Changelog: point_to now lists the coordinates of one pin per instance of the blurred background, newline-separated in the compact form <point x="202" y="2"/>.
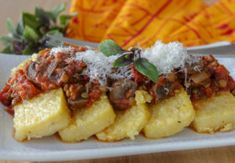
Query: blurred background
<point x="128" y="22"/>
<point x="12" y="9"/>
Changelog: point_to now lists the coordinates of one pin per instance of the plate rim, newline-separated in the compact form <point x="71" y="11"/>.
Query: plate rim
<point x="116" y="151"/>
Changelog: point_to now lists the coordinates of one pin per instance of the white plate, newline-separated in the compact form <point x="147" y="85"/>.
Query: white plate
<point x="51" y="148"/>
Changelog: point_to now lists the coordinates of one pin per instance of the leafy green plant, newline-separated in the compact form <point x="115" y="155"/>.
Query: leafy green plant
<point x="133" y="56"/>
<point x="28" y="36"/>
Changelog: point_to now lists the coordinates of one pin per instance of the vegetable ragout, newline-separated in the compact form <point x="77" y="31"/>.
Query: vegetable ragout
<point x="204" y="78"/>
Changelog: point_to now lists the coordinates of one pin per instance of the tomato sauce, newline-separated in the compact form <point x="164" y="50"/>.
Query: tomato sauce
<point x="62" y="70"/>
<point x="51" y="71"/>
<point x="217" y="79"/>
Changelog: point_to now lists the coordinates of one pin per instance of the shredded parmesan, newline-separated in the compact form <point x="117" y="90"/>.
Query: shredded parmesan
<point x="61" y="49"/>
<point x="121" y="73"/>
<point x="167" y="57"/>
<point x="100" y="67"/>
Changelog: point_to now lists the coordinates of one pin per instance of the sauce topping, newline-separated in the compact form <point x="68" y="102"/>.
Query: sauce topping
<point x="85" y="74"/>
<point x="206" y="78"/>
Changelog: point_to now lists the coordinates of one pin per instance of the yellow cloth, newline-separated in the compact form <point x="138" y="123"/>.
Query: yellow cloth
<point x="142" y="22"/>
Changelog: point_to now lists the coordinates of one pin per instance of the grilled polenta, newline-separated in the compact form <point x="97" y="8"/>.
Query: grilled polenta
<point x="89" y="121"/>
<point x="215" y="114"/>
<point x="170" y="116"/>
<point x="130" y="122"/>
<point x="41" y="116"/>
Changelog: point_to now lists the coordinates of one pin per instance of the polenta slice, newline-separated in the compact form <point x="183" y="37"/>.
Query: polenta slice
<point x="41" y="116"/>
<point x="89" y="121"/>
<point x="130" y="122"/>
<point x="170" y="116"/>
<point x="215" y="114"/>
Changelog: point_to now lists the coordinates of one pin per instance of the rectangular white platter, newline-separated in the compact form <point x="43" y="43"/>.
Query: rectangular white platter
<point x="51" y="148"/>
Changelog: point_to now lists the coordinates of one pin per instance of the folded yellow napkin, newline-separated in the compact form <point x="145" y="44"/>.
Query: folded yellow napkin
<point x="142" y="22"/>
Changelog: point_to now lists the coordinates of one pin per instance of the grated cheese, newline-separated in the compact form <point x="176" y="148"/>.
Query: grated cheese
<point x="121" y="73"/>
<point x="167" y="57"/>
<point x="61" y="49"/>
<point x="100" y="67"/>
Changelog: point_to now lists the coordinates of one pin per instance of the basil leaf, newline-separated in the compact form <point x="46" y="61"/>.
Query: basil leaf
<point x="20" y="27"/>
<point x="146" y="68"/>
<point x="122" y="61"/>
<point x="28" y="50"/>
<point x="6" y="40"/>
<point x="109" y="47"/>
<point x="57" y="28"/>
<point x="58" y="10"/>
<point x="7" y="49"/>
<point x="55" y="32"/>
<point x="64" y="20"/>
<point x="43" y="17"/>
<point x="10" y="26"/>
<point x="30" y="34"/>
<point x="30" y="20"/>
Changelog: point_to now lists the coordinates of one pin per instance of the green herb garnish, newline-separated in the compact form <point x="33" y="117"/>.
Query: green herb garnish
<point x="29" y="34"/>
<point x="146" y="68"/>
<point x="124" y="60"/>
<point x="109" y="47"/>
<point x="142" y="65"/>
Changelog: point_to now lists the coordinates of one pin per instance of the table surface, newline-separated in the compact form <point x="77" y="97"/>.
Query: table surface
<point x="13" y="8"/>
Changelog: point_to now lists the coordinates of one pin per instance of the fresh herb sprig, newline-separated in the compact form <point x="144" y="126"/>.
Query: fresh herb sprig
<point x="29" y="34"/>
<point x="133" y="56"/>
